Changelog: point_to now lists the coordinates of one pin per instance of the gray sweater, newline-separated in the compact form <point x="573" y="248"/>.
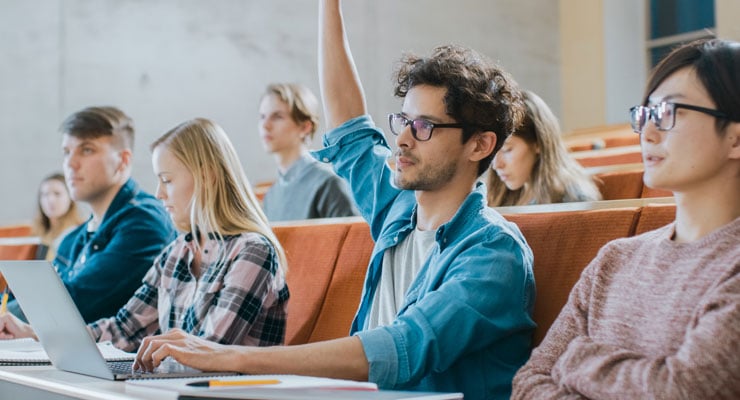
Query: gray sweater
<point x="308" y="190"/>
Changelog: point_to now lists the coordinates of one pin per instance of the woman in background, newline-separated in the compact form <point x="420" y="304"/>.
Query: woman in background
<point x="534" y="167"/>
<point x="57" y="214"/>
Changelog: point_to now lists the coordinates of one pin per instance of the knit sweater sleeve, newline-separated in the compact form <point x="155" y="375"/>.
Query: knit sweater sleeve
<point x="705" y="365"/>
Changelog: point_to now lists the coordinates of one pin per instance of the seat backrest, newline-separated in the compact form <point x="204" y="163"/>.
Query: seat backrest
<point x="22" y="249"/>
<point x="345" y="288"/>
<point x="312" y="251"/>
<point x="15" y="231"/>
<point x="610" y="156"/>
<point x="620" y="185"/>
<point x="647" y="192"/>
<point x="563" y="244"/>
<point x="653" y="216"/>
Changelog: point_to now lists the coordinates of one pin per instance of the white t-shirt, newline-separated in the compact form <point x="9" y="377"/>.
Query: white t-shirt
<point x="401" y="264"/>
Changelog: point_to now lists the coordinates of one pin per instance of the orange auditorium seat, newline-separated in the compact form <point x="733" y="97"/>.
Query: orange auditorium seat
<point x="619" y="185"/>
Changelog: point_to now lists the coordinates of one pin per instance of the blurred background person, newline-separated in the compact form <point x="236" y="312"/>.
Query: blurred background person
<point x="534" y="167"/>
<point x="288" y="119"/>
<point x="57" y="215"/>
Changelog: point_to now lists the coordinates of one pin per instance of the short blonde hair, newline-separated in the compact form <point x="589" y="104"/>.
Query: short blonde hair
<point x="223" y="201"/>
<point x="303" y="104"/>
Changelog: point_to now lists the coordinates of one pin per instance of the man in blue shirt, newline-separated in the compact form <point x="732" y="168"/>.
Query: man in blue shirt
<point x="103" y="261"/>
<point x="449" y="291"/>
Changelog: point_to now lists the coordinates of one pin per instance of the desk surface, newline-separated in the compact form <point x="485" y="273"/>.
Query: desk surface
<point x="64" y="384"/>
<point x="47" y="382"/>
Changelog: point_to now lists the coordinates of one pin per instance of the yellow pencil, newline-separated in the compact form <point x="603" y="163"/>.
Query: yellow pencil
<point x="4" y="305"/>
<point x="248" y="382"/>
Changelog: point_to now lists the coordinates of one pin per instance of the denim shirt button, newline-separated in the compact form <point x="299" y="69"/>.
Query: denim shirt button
<point x="95" y="247"/>
<point x="325" y="159"/>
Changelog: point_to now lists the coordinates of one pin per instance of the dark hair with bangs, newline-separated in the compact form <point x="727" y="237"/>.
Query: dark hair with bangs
<point x="716" y="64"/>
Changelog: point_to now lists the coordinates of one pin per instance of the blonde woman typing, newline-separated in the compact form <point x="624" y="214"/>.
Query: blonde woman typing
<point x="222" y="278"/>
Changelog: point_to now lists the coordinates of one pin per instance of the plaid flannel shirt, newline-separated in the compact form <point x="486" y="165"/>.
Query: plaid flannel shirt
<point x="240" y="297"/>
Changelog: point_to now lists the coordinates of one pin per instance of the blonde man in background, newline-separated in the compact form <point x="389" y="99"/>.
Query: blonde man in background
<point x="305" y="188"/>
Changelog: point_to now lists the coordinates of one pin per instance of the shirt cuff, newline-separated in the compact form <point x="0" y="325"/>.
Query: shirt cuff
<point x="344" y="133"/>
<point x="382" y="357"/>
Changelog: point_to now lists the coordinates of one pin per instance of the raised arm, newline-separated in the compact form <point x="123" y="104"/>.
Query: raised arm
<point x="341" y="90"/>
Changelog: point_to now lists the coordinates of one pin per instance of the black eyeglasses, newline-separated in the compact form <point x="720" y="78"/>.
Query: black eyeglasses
<point x="663" y="115"/>
<point x="421" y="129"/>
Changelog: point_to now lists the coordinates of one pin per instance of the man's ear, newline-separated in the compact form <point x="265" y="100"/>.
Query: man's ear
<point x="127" y="157"/>
<point x="306" y="127"/>
<point x="483" y="145"/>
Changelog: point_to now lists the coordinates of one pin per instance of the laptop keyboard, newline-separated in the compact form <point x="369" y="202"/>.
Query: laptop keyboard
<point x="121" y="367"/>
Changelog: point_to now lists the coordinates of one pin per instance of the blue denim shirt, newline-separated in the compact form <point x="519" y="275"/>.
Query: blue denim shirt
<point x="466" y="321"/>
<point x="102" y="269"/>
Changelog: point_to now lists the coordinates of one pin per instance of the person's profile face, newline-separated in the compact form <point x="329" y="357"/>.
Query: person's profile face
<point x="54" y="199"/>
<point x="278" y="131"/>
<point x="431" y="164"/>
<point x="175" y="186"/>
<point x="692" y="153"/>
<point x="91" y="167"/>
<point x="514" y="162"/>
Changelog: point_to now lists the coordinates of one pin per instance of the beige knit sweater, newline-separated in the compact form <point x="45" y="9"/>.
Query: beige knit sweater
<point x="649" y="319"/>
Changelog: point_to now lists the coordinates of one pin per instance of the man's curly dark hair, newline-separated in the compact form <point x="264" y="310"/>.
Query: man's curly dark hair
<point x="480" y="94"/>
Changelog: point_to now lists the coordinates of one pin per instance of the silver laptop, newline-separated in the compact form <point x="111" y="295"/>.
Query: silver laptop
<point x="62" y="331"/>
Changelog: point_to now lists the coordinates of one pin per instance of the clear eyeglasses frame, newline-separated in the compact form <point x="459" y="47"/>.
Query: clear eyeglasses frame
<point x="663" y="115"/>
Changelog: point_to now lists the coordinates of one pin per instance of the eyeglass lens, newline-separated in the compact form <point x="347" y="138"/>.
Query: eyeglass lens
<point x="662" y="114"/>
<point x="420" y="129"/>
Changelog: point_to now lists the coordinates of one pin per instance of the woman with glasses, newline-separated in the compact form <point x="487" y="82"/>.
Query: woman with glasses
<point x="658" y="315"/>
<point x="534" y="167"/>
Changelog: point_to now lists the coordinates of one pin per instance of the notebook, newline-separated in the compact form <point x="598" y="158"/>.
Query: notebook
<point x="27" y="351"/>
<point x="62" y="331"/>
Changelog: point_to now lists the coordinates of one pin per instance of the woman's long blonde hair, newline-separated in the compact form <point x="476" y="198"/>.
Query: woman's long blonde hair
<point x="223" y="202"/>
<point x="556" y="177"/>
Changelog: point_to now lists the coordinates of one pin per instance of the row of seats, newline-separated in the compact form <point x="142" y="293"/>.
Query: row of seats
<point x="601" y="137"/>
<point x="328" y="258"/>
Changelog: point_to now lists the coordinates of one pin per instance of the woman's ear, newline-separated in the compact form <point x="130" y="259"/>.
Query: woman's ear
<point x="733" y="137"/>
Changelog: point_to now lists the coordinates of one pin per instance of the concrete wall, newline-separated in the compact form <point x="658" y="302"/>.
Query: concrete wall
<point x="167" y="61"/>
<point x="727" y="13"/>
